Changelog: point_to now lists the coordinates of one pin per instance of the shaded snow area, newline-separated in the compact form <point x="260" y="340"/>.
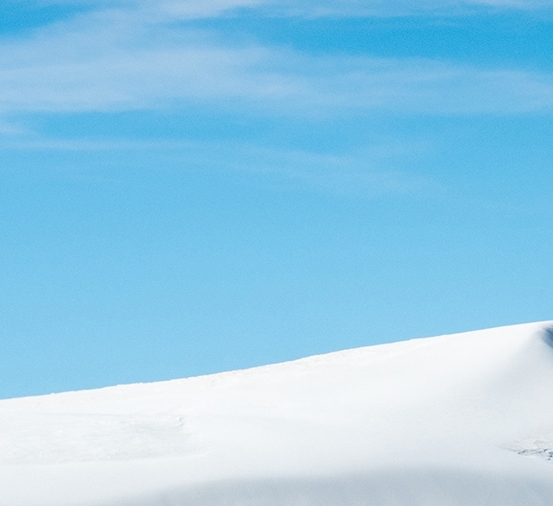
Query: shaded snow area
<point x="465" y="419"/>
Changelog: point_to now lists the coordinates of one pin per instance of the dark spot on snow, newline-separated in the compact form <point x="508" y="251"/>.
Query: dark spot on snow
<point x="548" y="336"/>
<point x="542" y="448"/>
<point x="543" y="453"/>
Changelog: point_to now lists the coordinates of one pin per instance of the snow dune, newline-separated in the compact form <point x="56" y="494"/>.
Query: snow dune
<point x="464" y="419"/>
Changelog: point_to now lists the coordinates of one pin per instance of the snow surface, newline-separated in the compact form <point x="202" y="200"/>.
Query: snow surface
<point x="465" y="419"/>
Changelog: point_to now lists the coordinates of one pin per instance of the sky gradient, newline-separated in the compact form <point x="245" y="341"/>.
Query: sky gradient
<point x="190" y="187"/>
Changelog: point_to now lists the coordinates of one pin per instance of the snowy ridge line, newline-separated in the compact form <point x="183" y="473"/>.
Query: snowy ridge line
<point x="463" y="419"/>
<point x="544" y="327"/>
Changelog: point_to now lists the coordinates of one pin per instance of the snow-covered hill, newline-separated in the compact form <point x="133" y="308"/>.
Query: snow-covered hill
<point x="465" y="419"/>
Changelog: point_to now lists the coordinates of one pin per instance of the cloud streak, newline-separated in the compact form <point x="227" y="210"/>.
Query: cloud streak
<point x="186" y="9"/>
<point x="114" y="61"/>
<point x="375" y="170"/>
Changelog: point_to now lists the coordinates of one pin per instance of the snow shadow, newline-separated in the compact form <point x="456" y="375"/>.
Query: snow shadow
<point x="548" y="336"/>
<point x="401" y="487"/>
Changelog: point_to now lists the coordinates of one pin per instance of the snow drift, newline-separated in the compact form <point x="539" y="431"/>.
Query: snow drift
<point x="465" y="419"/>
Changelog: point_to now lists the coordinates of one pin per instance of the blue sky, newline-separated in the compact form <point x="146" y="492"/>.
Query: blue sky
<point x="188" y="187"/>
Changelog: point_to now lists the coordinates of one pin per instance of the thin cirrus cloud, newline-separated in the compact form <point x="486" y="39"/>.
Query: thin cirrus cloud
<point x="397" y="7"/>
<point x="359" y="173"/>
<point x="310" y="8"/>
<point x="113" y="61"/>
<point x="126" y="56"/>
<point x="196" y="8"/>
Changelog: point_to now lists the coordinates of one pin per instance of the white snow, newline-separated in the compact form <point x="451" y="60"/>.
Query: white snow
<point x="464" y="419"/>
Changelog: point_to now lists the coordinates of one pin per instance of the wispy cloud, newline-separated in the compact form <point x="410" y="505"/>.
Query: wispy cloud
<point x="368" y="173"/>
<point x="374" y="170"/>
<point x="321" y="8"/>
<point x="10" y="129"/>
<point x="127" y="55"/>
<point x="114" y="60"/>
<point x="198" y="8"/>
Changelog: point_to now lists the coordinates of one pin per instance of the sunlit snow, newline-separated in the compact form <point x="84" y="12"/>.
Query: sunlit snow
<point x="465" y="419"/>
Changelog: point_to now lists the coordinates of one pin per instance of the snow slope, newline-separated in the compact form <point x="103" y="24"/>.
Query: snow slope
<point x="465" y="419"/>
